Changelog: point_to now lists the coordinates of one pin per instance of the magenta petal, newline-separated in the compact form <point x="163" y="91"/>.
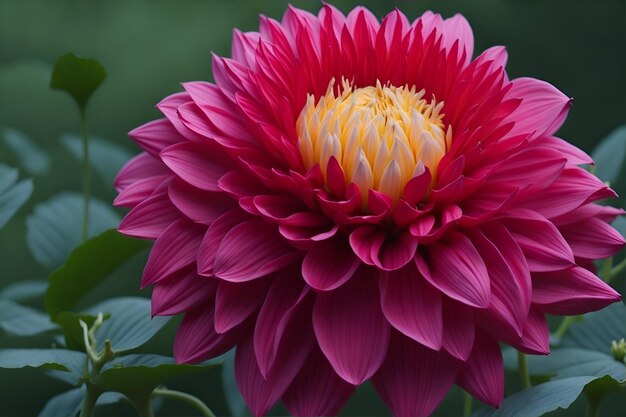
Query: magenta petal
<point x="483" y="374"/>
<point x="455" y="267"/>
<point x="196" y="338"/>
<point x="213" y="238"/>
<point x="261" y="393"/>
<point x="182" y="293"/>
<point x="458" y="329"/>
<point x="542" y="243"/>
<point x="317" y="390"/>
<point x="329" y="264"/>
<point x="250" y="250"/>
<point x="174" y="250"/>
<point x="592" y="238"/>
<point x="150" y="218"/>
<point x="196" y="164"/>
<point x="571" y="291"/>
<point x="198" y="205"/>
<point x="535" y="338"/>
<point x="139" y="191"/>
<point x="351" y="328"/>
<point x="155" y="136"/>
<point x="574" y="155"/>
<point x="412" y="306"/>
<point x="235" y="302"/>
<point x="137" y="168"/>
<point x="414" y="379"/>
<point x="458" y="28"/>
<point x="284" y="308"/>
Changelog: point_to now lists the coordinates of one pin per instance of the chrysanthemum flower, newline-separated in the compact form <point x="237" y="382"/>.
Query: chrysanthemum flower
<point x="358" y="200"/>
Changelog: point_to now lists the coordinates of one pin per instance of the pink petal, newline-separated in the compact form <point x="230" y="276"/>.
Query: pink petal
<point x="198" y="205"/>
<point x="329" y="264"/>
<point x="483" y="374"/>
<point x="235" y="302"/>
<point x="351" y="328"/>
<point x="196" y="338"/>
<point x="150" y="217"/>
<point x="414" y="379"/>
<point x="181" y="293"/>
<point x="260" y="393"/>
<point x="139" y="191"/>
<point x="156" y="135"/>
<point x="574" y="155"/>
<point x="213" y="238"/>
<point x="412" y="306"/>
<point x="592" y="238"/>
<point x="196" y="164"/>
<point x="458" y="329"/>
<point x="250" y="250"/>
<point x="317" y="390"/>
<point x="571" y="291"/>
<point x="169" y="107"/>
<point x="542" y="111"/>
<point x="458" y="28"/>
<point x="174" y="250"/>
<point x="455" y="267"/>
<point x="137" y="168"/>
<point x="542" y="243"/>
<point x="535" y="338"/>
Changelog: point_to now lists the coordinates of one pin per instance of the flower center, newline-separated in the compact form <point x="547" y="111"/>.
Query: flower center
<point x="382" y="136"/>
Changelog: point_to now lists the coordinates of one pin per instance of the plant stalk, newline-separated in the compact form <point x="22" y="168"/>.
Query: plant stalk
<point x="86" y="174"/>
<point x="89" y="402"/>
<point x="467" y="404"/>
<point x="184" y="397"/>
<point x="522" y="364"/>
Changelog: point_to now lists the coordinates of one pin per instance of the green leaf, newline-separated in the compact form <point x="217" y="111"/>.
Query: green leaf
<point x="234" y="400"/>
<point x="32" y="158"/>
<point x="24" y="290"/>
<point x="69" y="403"/>
<point x="620" y="225"/>
<point x="59" y="359"/>
<point x="88" y="266"/>
<point x="106" y="157"/>
<point x="23" y="321"/>
<point x="134" y="374"/>
<point x="12" y="196"/>
<point x="540" y="399"/>
<point x="130" y="324"/>
<point x="598" y="329"/>
<point x="79" y="77"/>
<point x="569" y="362"/>
<point x="52" y="231"/>
<point x="609" y="155"/>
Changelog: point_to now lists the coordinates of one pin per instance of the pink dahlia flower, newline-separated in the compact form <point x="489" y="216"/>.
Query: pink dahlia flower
<point x="358" y="200"/>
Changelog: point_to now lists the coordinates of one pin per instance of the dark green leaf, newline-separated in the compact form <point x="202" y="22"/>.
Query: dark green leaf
<point x="130" y="324"/>
<point x="142" y="373"/>
<point x="59" y="359"/>
<point x="540" y="399"/>
<point x="235" y="401"/>
<point x="23" y="321"/>
<point x="12" y="197"/>
<point x="32" y="158"/>
<point x="620" y="225"/>
<point x="106" y="157"/>
<point x="609" y="155"/>
<point x="24" y="290"/>
<point x="88" y="266"/>
<point x="54" y="229"/>
<point x="598" y="329"/>
<point x="69" y="403"/>
<point x="79" y="77"/>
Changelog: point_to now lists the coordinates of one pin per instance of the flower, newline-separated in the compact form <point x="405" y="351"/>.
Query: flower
<point x="358" y="200"/>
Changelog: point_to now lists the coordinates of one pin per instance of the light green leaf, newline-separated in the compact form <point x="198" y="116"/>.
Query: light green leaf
<point x="130" y="324"/>
<point x="540" y="399"/>
<point x="24" y="290"/>
<point x="142" y="373"/>
<point x="12" y="196"/>
<point x="79" y="77"/>
<point x="59" y="359"/>
<point x="598" y="329"/>
<point x="53" y="231"/>
<point x="34" y="160"/>
<point x="69" y="403"/>
<point x="106" y="157"/>
<point x="88" y="266"/>
<point x="609" y="155"/>
<point x="23" y="321"/>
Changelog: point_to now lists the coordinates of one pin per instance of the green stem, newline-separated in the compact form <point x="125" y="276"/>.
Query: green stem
<point x="89" y="402"/>
<point x="617" y="269"/>
<point x="467" y="404"/>
<point x="86" y="175"/>
<point x="564" y="326"/>
<point x="143" y="404"/>
<point x="184" y="397"/>
<point x="522" y="364"/>
<point x="605" y="272"/>
<point x="593" y="407"/>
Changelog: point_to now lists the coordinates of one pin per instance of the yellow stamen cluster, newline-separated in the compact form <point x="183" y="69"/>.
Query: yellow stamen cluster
<point x="382" y="136"/>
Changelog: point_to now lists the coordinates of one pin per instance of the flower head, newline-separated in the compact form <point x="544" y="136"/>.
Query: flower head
<point x="354" y="200"/>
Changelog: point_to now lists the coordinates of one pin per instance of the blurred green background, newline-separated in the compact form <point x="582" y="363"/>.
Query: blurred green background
<point x="149" y="47"/>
